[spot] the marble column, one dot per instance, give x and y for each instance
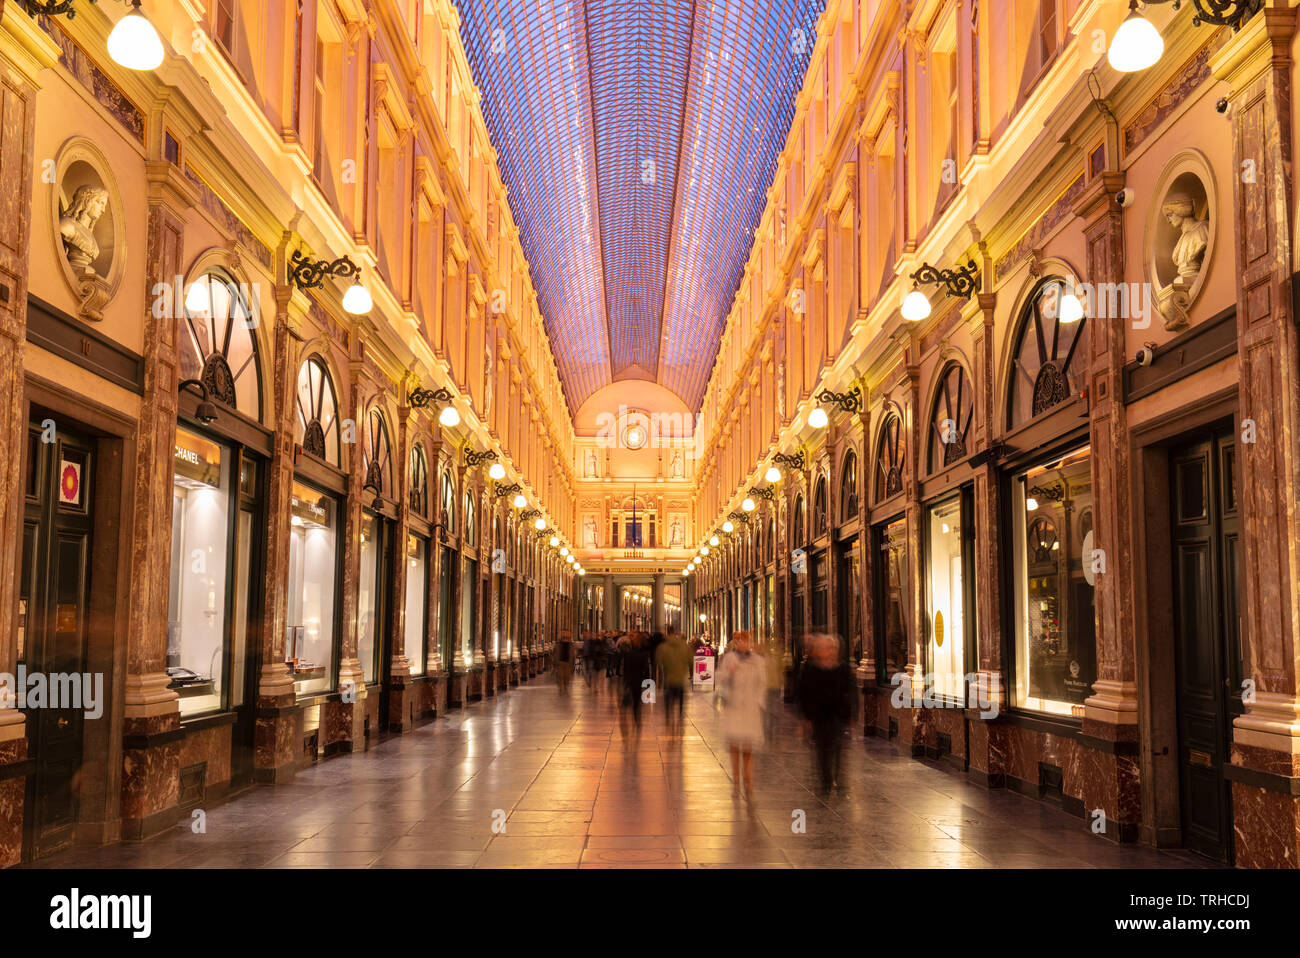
(279, 730)
(986, 747)
(657, 601)
(611, 608)
(1110, 780)
(151, 731)
(344, 714)
(24, 52)
(401, 689)
(1257, 65)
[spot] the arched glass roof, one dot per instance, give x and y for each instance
(637, 139)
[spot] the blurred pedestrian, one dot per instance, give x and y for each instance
(588, 658)
(825, 699)
(673, 659)
(636, 672)
(774, 671)
(742, 688)
(563, 662)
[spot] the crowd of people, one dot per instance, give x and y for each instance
(646, 668)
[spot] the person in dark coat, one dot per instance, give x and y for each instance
(637, 668)
(824, 695)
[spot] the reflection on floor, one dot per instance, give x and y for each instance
(574, 791)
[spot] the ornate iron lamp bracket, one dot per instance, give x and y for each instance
(308, 273)
(958, 282)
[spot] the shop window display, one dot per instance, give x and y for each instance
(1055, 652)
(417, 591)
(946, 602)
(310, 632)
(196, 626)
(892, 544)
(368, 604)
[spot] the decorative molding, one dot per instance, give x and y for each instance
(95, 81)
(1193, 73)
(1033, 238)
(216, 207)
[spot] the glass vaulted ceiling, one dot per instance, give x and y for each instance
(637, 140)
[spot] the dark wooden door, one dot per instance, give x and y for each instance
(1205, 527)
(53, 611)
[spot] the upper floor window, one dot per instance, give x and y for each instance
(819, 507)
(798, 539)
(224, 19)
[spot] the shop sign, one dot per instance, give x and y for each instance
(197, 460)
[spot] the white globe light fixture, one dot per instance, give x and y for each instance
(818, 418)
(564, 551)
(569, 559)
(555, 541)
(728, 526)
(539, 525)
(520, 501)
(449, 417)
(916, 306)
(1136, 44)
(497, 471)
(1071, 309)
(773, 474)
(357, 300)
(134, 43)
(713, 540)
(748, 504)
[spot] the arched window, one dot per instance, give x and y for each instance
(218, 347)
(377, 454)
(951, 418)
(798, 539)
(819, 507)
(849, 487)
(318, 420)
(448, 503)
(771, 539)
(470, 528)
(889, 459)
(419, 497)
(1048, 365)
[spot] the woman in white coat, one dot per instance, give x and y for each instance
(742, 685)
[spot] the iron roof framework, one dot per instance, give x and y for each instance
(637, 140)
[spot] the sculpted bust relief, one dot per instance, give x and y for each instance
(77, 226)
(1189, 250)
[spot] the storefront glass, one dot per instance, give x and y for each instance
(368, 604)
(946, 601)
(891, 544)
(417, 593)
(196, 626)
(1056, 652)
(310, 632)
(468, 610)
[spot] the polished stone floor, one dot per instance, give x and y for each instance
(534, 779)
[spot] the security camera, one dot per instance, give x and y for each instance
(1125, 197)
(1146, 355)
(1222, 105)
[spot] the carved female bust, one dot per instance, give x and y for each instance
(77, 226)
(1189, 250)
